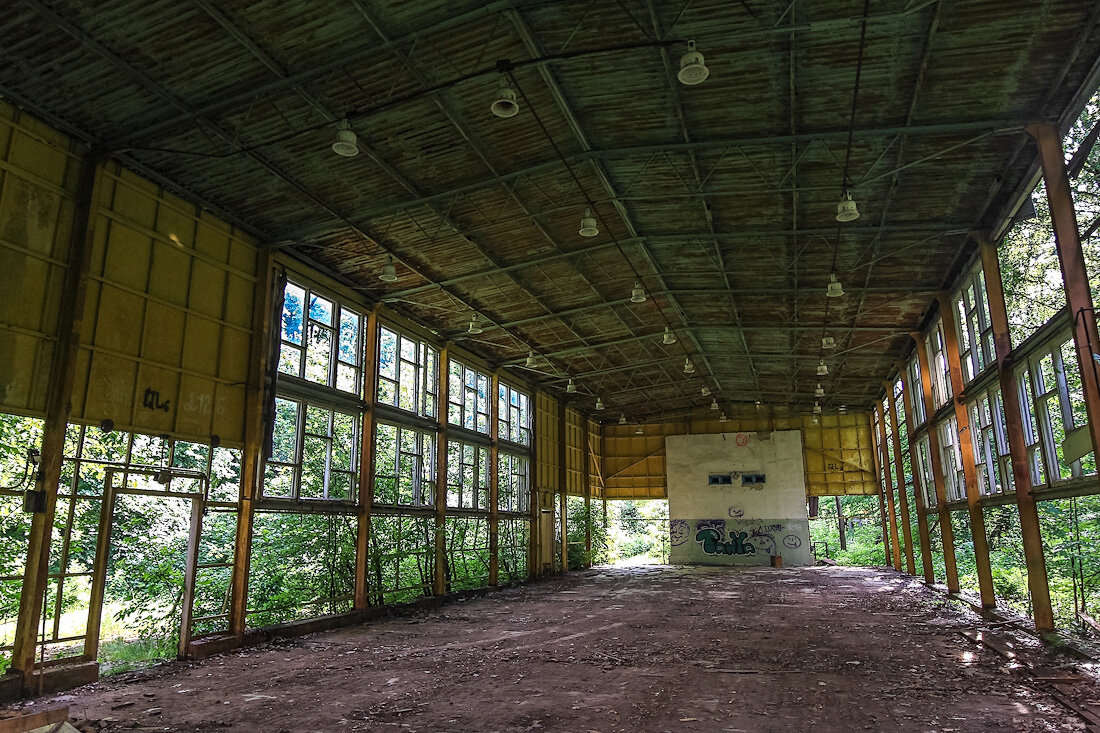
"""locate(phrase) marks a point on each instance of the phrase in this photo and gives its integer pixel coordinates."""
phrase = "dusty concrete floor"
(633, 649)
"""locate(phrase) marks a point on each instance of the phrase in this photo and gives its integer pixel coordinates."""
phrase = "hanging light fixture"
(828, 342)
(475, 325)
(637, 295)
(588, 225)
(389, 272)
(505, 105)
(723, 418)
(532, 360)
(599, 403)
(693, 70)
(622, 418)
(571, 388)
(817, 408)
(346, 142)
(846, 210)
(758, 405)
(822, 370)
(815, 420)
(705, 391)
(669, 338)
(819, 392)
(689, 368)
(714, 404)
(639, 431)
(834, 289)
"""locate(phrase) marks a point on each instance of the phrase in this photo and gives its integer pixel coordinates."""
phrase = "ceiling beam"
(594, 154)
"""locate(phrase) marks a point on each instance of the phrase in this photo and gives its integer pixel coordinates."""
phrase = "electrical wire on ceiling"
(847, 163)
(359, 113)
(508, 69)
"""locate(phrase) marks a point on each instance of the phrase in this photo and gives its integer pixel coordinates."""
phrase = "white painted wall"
(772, 515)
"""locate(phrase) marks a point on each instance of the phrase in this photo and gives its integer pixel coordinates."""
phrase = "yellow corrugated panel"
(167, 336)
(838, 456)
(546, 442)
(38, 173)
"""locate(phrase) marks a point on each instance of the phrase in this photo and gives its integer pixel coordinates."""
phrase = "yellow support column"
(439, 582)
(899, 469)
(58, 406)
(366, 463)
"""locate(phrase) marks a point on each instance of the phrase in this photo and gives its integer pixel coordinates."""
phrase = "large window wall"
(333, 397)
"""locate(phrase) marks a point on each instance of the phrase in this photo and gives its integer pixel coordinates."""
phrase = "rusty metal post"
(563, 481)
(252, 454)
(947, 534)
(366, 463)
(840, 524)
(888, 485)
(1017, 444)
(923, 533)
(1075, 278)
(58, 406)
(494, 480)
(966, 447)
(899, 467)
(881, 491)
(439, 577)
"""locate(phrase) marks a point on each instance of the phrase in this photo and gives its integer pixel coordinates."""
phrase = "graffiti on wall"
(712, 543)
(737, 540)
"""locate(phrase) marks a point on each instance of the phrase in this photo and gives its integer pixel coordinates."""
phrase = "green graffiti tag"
(711, 539)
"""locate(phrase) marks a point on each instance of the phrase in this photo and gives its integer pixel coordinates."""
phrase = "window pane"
(320, 309)
(349, 336)
(293, 298)
(317, 354)
(284, 434)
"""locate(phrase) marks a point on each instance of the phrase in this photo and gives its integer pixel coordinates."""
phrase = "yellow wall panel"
(233, 362)
(170, 278)
(119, 321)
(196, 406)
(546, 442)
(38, 172)
(110, 386)
(228, 409)
(155, 399)
(163, 333)
(207, 289)
(199, 335)
(158, 302)
(239, 293)
(127, 257)
(837, 453)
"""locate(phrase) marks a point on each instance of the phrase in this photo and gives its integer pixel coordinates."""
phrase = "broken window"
(320, 340)
(938, 366)
(951, 457)
(974, 325)
(467, 475)
(406, 373)
(991, 455)
(468, 397)
(513, 483)
(404, 466)
(513, 415)
(314, 453)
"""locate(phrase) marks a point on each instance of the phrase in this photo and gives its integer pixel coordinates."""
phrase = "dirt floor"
(633, 649)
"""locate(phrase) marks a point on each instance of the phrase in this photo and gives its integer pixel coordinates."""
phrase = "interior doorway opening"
(637, 532)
